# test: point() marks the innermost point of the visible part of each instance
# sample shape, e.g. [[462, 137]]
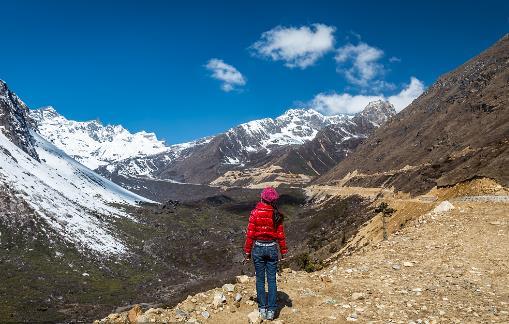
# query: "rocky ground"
[[446, 264]]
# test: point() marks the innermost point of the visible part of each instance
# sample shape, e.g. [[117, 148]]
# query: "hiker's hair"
[[277, 216]]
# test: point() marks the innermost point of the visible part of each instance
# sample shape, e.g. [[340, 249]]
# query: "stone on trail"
[[228, 287], [443, 207], [396, 266], [219, 299], [133, 314], [352, 317], [254, 317], [242, 279], [357, 296], [180, 313], [408, 264], [205, 314], [238, 297]]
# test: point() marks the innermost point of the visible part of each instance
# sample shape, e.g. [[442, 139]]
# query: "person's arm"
[[280, 231], [251, 228]]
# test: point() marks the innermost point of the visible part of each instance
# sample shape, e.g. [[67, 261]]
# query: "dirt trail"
[[450, 267]]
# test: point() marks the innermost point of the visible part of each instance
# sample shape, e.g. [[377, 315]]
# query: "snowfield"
[[72, 199], [92, 143]]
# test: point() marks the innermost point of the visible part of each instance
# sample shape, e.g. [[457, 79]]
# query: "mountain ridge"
[[455, 131]]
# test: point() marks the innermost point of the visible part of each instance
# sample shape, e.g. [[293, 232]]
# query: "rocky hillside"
[[445, 262], [335, 142], [455, 131]]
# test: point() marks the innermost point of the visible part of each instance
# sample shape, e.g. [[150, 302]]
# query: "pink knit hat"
[[270, 194]]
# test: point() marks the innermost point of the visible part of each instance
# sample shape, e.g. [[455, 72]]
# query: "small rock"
[[242, 279], [254, 317], [441, 312], [238, 297], [84, 274], [133, 314], [396, 266], [219, 299], [194, 300], [228, 287], [143, 319], [156, 311], [325, 279], [205, 314], [352, 317], [180, 313], [408, 264], [357, 296]]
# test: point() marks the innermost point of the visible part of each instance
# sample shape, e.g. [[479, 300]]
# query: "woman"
[[264, 233]]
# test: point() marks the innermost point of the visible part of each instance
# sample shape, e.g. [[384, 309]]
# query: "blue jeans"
[[265, 262]]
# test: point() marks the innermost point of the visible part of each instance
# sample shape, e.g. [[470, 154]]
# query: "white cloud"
[[297, 47], [360, 63], [345, 103], [226, 73], [408, 94]]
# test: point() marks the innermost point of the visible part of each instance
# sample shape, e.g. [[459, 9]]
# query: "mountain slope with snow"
[[123, 157], [75, 202], [92, 143]]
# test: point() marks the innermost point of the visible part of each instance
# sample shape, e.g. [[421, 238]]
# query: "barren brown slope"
[[443, 266], [457, 130]]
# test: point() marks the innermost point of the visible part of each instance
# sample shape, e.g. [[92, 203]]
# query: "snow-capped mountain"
[[67, 198], [119, 155], [377, 112], [254, 144], [295, 126], [203, 160], [92, 143]]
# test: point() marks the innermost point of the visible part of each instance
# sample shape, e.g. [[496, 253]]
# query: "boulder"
[[228, 287], [254, 317], [219, 299], [134, 313], [242, 279]]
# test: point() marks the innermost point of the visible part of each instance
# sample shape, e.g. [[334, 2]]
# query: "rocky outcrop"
[[14, 121]]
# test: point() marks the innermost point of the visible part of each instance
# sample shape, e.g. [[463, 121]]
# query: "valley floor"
[[450, 267]]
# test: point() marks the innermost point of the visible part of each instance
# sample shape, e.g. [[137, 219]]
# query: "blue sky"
[[147, 64]]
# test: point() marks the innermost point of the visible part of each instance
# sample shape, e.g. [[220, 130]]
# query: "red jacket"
[[261, 227]]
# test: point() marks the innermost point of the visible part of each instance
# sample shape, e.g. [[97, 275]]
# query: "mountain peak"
[[14, 121], [378, 111], [91, 142]]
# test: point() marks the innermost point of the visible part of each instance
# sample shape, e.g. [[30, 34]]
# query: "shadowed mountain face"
[[335, 142], [457, 130], [14, 121]]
